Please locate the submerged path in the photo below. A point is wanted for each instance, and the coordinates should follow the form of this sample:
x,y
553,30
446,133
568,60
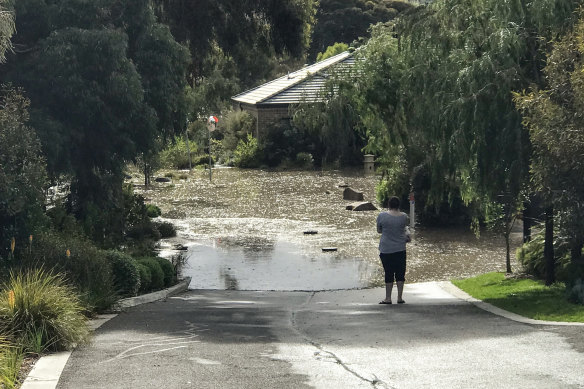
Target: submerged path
x,y
332,339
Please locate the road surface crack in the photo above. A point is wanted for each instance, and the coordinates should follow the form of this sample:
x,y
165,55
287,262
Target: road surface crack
x,y
376,383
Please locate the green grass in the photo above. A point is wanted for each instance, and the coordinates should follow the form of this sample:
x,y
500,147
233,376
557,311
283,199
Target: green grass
x,y
525,297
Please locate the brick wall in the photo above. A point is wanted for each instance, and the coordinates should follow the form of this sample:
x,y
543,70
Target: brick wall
x,y
267,116
264,115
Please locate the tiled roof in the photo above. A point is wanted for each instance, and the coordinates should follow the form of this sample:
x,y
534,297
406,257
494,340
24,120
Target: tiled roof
x,y
305,83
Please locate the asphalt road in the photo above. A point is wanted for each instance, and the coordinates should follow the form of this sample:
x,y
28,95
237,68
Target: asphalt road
x,y
333,339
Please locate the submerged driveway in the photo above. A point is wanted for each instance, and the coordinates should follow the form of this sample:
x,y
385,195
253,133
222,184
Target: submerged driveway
x,y
333,339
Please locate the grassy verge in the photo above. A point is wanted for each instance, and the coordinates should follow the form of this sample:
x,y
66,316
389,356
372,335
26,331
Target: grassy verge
x,y
529,298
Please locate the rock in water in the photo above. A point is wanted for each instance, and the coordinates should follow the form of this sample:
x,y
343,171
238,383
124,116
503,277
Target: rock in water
x,y
365,206
352,195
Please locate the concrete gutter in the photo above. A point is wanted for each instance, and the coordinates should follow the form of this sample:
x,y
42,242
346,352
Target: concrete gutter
x,y
458,293
47,370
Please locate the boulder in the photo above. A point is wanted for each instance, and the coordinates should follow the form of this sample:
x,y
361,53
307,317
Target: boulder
x,y
352,195
364,206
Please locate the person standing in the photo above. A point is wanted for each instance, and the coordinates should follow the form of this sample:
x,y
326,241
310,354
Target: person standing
x,y
393,227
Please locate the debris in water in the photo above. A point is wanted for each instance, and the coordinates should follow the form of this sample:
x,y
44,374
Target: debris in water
x,y
310,232
329,249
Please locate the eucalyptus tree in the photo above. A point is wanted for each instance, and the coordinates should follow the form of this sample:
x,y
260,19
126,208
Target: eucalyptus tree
x,y
459,61
23,176
345,21
105,80
252,33
554,116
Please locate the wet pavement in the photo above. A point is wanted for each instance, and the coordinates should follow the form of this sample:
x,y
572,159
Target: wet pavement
x,y
334,339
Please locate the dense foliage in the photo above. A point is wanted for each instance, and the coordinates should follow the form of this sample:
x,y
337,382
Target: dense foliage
x,y
105,80
435,91
554,116
23,177
345,21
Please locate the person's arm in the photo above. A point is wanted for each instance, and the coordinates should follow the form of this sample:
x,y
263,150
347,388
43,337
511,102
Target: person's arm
x,y
378,226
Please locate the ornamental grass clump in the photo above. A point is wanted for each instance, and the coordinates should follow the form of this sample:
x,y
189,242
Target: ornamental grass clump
x,y
10,362
40,312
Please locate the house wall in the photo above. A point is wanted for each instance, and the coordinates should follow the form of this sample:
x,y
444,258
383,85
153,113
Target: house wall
x,y
264,115
267,116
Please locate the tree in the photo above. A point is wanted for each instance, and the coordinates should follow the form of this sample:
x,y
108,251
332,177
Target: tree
x,y
105,82
445,75
331,51
554,116
252,33
345,21
23,176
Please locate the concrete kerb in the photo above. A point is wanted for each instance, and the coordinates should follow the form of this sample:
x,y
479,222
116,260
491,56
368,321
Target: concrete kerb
x,y
151,297
47,370
458,293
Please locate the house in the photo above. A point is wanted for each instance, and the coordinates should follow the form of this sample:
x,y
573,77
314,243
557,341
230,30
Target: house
x,y
270,102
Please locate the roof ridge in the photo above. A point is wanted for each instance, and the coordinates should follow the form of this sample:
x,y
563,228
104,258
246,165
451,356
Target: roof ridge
x,y
304,74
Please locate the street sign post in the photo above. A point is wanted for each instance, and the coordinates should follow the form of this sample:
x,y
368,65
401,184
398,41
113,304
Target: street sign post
x,y
211,126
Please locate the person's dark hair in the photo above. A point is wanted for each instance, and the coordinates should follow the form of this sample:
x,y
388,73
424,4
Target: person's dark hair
x,y
394,203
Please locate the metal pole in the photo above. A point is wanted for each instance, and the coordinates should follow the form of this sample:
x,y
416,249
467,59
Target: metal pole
x,y
210,173
412,211
188,147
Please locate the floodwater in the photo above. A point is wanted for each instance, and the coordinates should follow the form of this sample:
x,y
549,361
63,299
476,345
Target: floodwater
x,y
245,230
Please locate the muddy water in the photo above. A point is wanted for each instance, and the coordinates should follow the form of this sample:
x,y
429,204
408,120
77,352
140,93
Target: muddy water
x,y
245,230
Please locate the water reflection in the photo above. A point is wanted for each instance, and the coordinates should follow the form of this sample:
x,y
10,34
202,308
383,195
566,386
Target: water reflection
x,y
245,231
283,267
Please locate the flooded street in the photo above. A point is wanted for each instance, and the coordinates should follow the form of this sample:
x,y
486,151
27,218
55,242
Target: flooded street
x,y
245,231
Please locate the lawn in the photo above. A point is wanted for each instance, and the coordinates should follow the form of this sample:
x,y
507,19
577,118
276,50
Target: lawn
x,y
529,298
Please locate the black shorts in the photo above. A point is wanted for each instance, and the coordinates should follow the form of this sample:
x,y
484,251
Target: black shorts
x,y
394,265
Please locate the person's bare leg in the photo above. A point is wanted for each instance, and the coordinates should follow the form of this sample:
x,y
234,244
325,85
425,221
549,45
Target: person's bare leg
x,y
400,290
388,288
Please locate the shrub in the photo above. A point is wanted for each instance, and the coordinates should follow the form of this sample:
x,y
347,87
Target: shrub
x,y
168,270
143,231
237,125
176,156
125,273
304,160
145,277
43,304
10,362
203,160
138,225
153,211
247,153
156,272
86,266
165,229
530,255
575,291
178,262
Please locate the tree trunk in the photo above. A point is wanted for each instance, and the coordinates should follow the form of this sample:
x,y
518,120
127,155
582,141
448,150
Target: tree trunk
x,y
526,222
508,258
146,175
548,251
